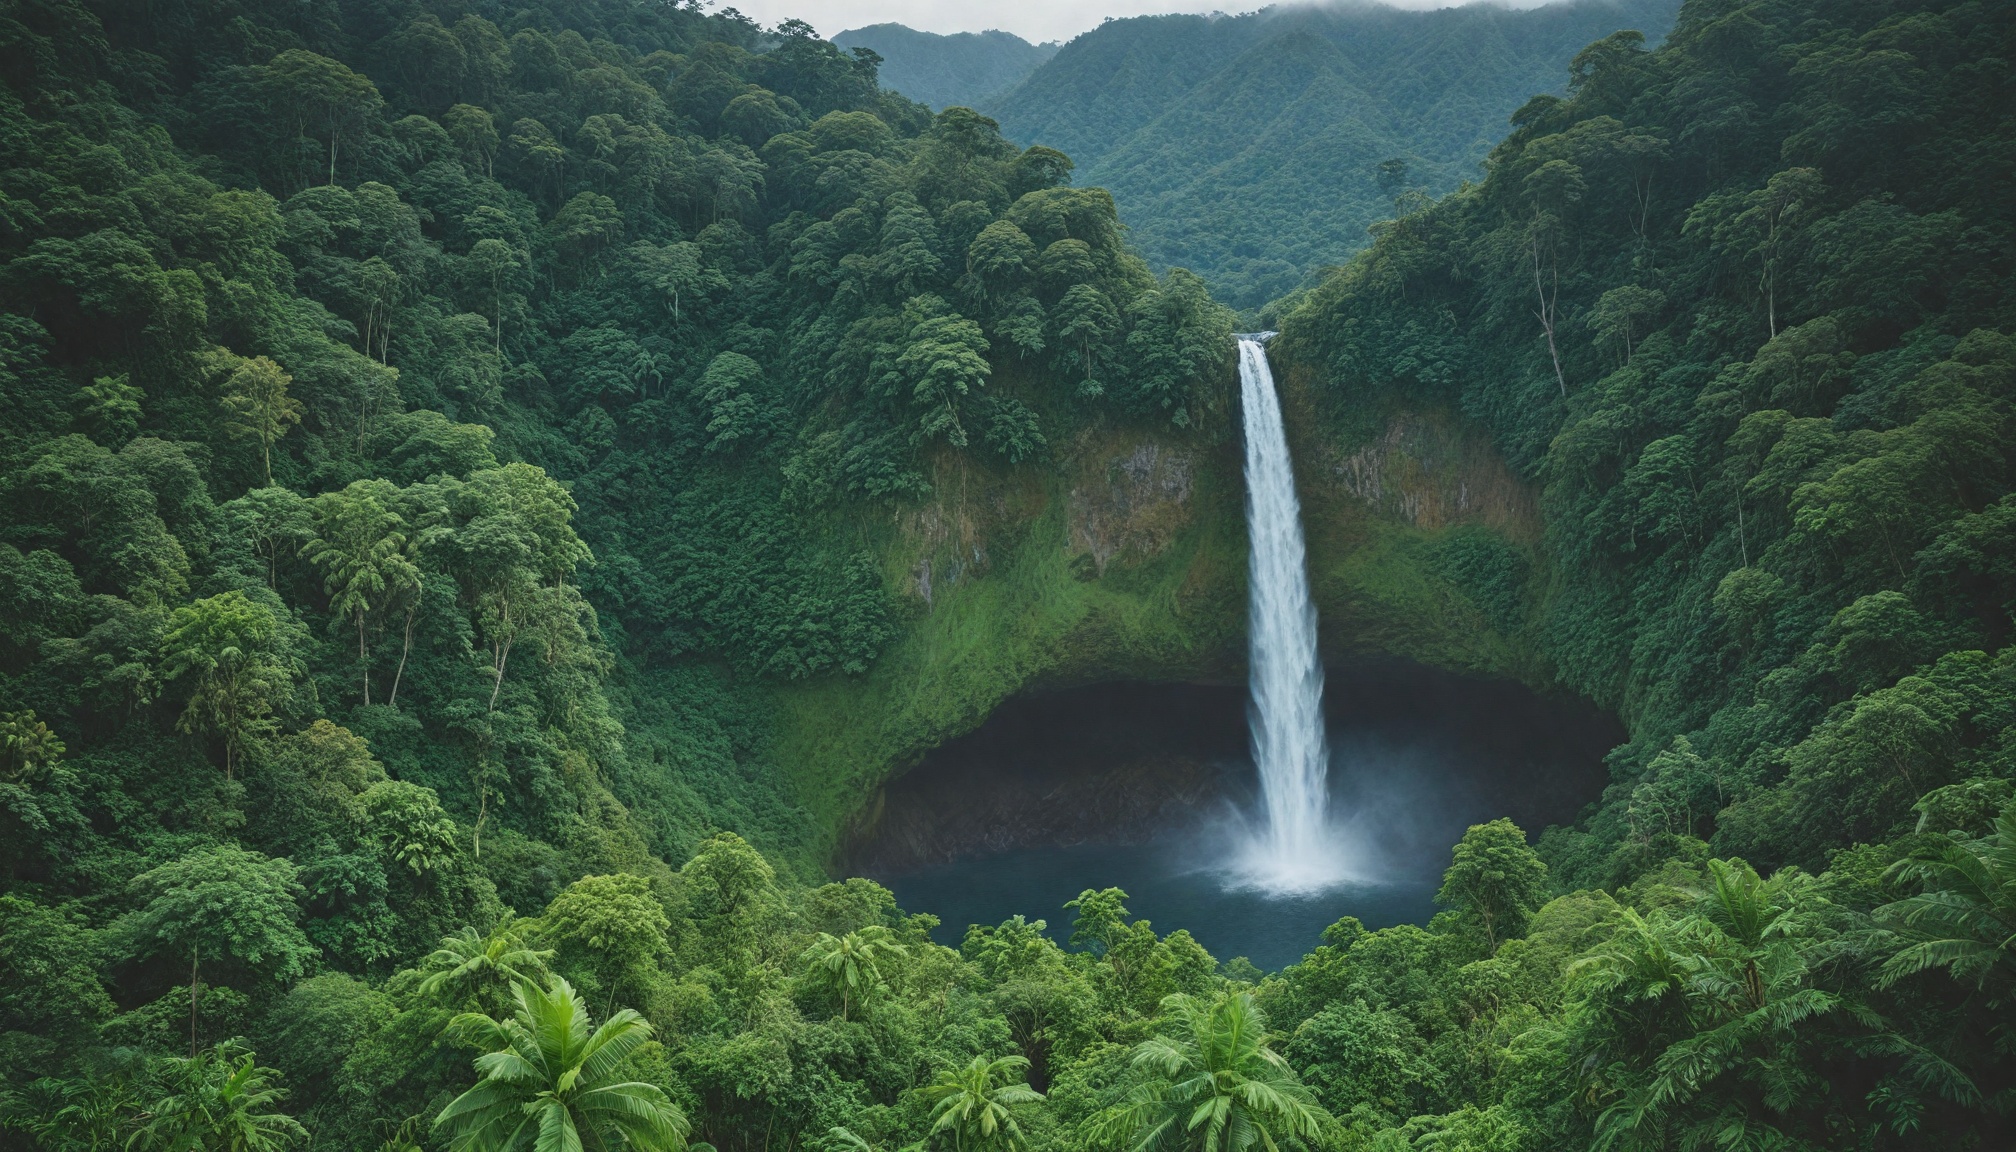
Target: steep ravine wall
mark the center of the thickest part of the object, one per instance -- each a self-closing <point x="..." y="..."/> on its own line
<point x="1124" y="559"/>
<point x="1400" y="514"/>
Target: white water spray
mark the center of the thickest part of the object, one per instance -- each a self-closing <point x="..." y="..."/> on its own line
<point x="1294" y="850"/>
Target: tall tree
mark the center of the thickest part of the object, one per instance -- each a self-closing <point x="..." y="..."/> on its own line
<point x="257" y="406"/>
<point x="362" y="544"/>
<point x="514" y="546"/>
<point x="850" y="965"/>
<point x="229" y="645"/>
<point x="1494" y="880"/>
<point x="317" y="96"/>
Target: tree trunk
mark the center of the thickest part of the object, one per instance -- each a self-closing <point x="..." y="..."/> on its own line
<point x="503" y="657"/>
<point x="230" y="731"/>
<point x="501" y="648"/>
<point x="1545" y="312"/>
<point x="404" y="648"/>
<point x="195" y="983"/>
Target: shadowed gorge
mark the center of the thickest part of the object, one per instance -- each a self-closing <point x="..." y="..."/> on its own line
<point x="1425" y="752"/>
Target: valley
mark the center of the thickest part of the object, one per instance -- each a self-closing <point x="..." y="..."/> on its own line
<point x="601" y="575"/>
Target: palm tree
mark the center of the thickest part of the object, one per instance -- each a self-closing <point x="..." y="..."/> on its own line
<point x="549" y="1084"/>
<point x="480" y="964"/>
<point x="1964" y="917"/>
<point x="222" y="1102"/>
<point x="972" y="1103"/>
<point x="1213" y="1084"/>
<point x="1710" y="1029"/>
<point x="1717" y="1003"/>
<point x="848" y="964"/>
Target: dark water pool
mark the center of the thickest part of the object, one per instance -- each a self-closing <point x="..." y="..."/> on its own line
<point x="1142" y="787"/>
<point x="1035" y="882"/>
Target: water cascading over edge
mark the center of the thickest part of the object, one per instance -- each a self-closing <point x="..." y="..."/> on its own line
<point x="1292" y="850"/>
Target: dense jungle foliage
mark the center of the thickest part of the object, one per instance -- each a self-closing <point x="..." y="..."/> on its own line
<point x="944" y="70"/>
<point x="363" y="785"/>
<point x="1742" y="307"/>
<point x="1256" y="149"/>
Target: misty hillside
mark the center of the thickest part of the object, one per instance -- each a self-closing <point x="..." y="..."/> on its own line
<point x="1249" y="148"/>
<point x="942" y="71"/>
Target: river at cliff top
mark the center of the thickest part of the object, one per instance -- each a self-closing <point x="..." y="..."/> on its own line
<point x="1145" y="787"/>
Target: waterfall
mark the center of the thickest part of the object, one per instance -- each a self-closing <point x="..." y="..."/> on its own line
<point x="1292" y="851"/>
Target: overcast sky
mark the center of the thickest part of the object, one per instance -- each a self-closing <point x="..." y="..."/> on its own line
<point x="1035" y="20"/>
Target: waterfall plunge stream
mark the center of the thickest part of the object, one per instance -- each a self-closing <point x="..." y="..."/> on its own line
<point x="1295" y="849"/>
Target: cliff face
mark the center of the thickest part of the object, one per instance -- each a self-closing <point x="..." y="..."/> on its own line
<point x="1124" y="559"/>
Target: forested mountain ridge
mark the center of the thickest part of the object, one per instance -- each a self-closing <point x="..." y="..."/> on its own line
<point x="452" y="460"/>
<point x="1250" y="148"/>
<point x="941" y="70"/>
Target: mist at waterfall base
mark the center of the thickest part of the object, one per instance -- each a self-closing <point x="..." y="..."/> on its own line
<point x="1417" y="755"/>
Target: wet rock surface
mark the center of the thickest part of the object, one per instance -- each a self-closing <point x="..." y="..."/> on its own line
<point x="1129" y="507"/>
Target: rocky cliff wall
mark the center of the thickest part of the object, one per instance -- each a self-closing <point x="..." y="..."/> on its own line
<point x="1124" y="559"/>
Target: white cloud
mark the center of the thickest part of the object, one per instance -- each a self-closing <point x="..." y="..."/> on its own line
<point x="1036" y="20"/>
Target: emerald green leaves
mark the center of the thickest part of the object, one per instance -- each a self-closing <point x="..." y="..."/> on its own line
<point x="612" y="925"/>
<point x="1495" y="882"/>
<point x="849" y="966"/>
<point x="220" y="1099"/>
<point x="228" y="650"/>
<point x="971" y="1106"/>
<point x="233" y="910"/>
<point x="409" y="825"/>
<point x="1963" y="916"/>
<point x="1212" y="1083"/>
<point x="485" y="968"/>
<point x="550" y="1084"/>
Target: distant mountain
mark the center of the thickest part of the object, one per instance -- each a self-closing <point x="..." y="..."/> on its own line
<point x="1250" y="148"/>
<point x="946" y="70"/>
